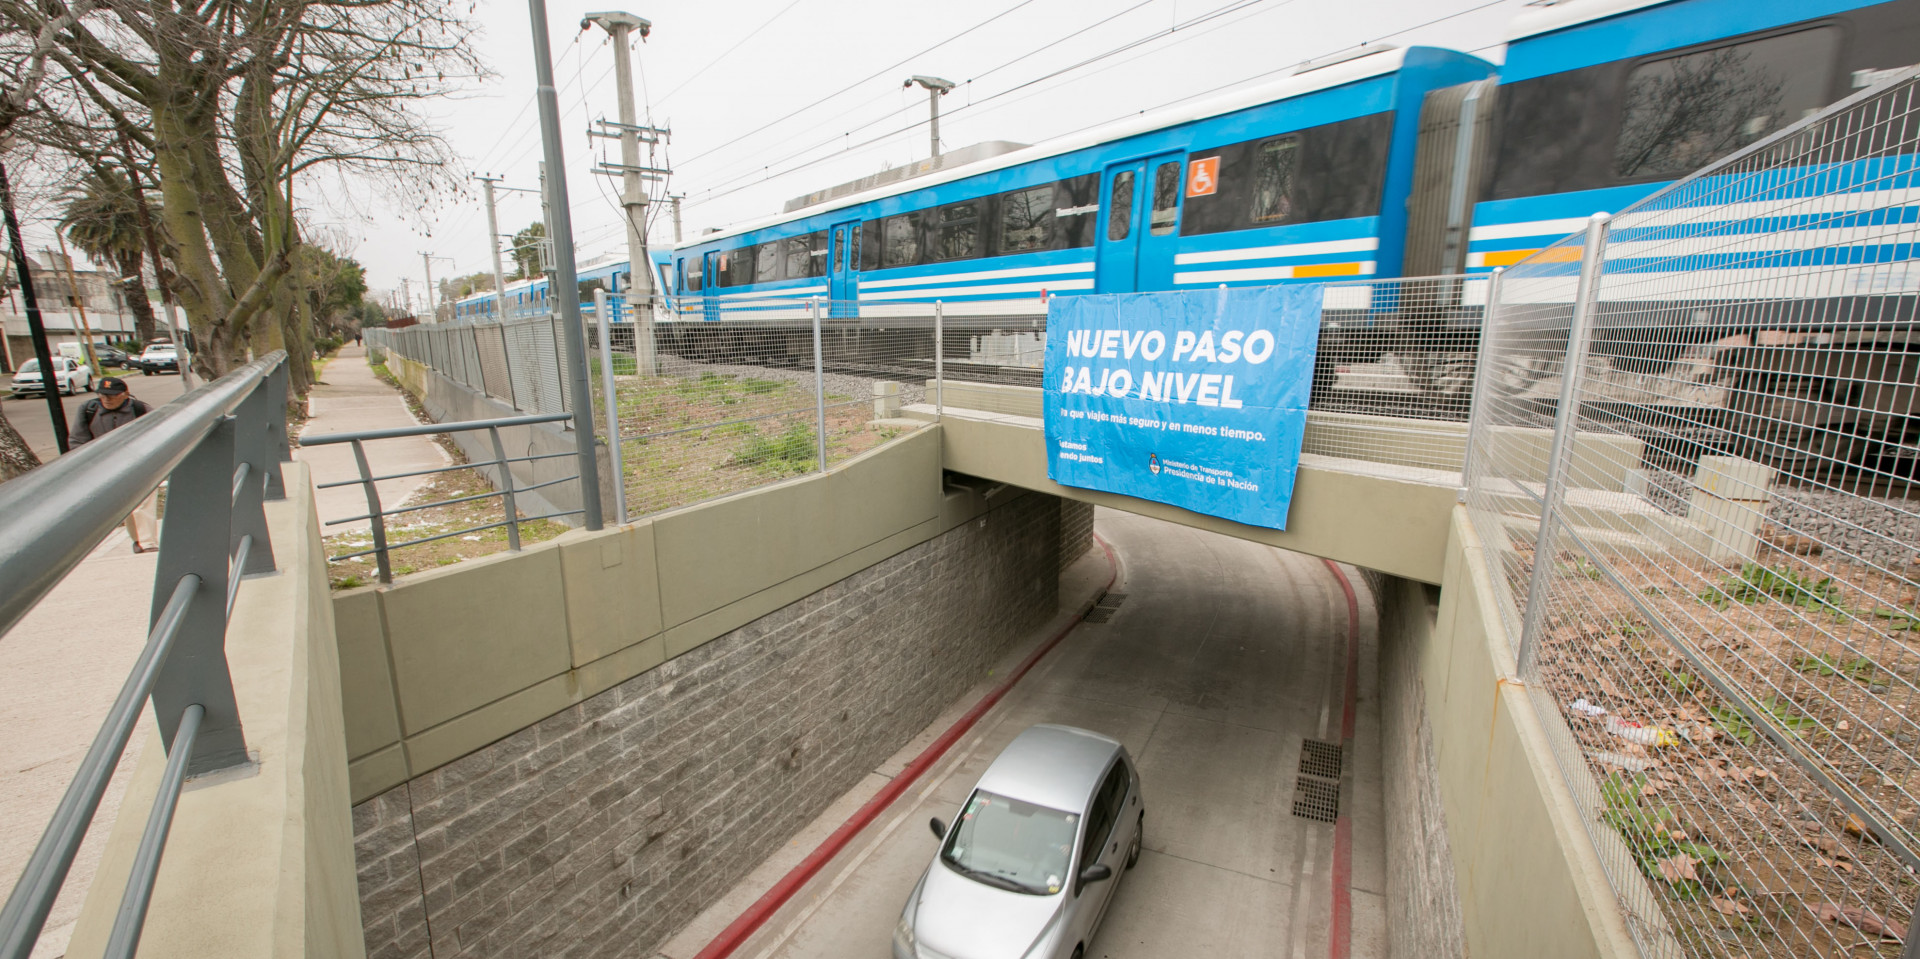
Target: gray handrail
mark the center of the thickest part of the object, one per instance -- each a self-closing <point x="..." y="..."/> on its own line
<point x="52" y="517"/>
<point x="427" y="429"/>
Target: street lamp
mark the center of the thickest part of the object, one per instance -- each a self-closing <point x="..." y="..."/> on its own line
<point x="936" y="88"/>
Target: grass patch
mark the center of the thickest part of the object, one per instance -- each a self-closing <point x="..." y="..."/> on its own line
<point x="1658" y="840"/>
<point x="790" y="452"/>
<point x="1759" y="584"/>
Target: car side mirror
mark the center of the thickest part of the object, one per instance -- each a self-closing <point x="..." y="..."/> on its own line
<point x="1097" y="872"/>
<point x="939" y="828"/>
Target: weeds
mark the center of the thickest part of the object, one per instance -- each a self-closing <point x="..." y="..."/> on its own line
<point x="793" y="451"/>
<point x="1657" y="839"/>
<point x="1861" y="669"/>
<point x="1758" y="584"/>
<point x="1782" y="713"/>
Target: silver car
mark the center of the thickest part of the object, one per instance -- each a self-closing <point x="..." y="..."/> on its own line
<point x="1029" y="868"/>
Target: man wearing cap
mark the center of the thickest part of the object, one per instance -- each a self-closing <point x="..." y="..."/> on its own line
<point x="103" y="414"/>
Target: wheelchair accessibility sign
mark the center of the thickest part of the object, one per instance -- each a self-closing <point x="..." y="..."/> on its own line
<point x="1203" y="176"/>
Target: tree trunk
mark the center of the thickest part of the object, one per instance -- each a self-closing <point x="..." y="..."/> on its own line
<point x="144" y="323"/>
<point x="16" y="456"/>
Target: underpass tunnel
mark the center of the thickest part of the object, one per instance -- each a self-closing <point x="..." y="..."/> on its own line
<point x="1245" y="682"/>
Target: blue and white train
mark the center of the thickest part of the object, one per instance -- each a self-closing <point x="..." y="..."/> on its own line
<point x="1385" y="163"/>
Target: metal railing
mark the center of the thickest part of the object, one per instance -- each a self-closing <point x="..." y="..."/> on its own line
<point x="1692" y="464"/>
<point x="219" y="450"/>
<point x="507" y="487"/>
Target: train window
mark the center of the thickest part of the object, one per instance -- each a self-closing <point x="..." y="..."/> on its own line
<point x="740" y="266"/>
<point x="693" y="276"/>
<point x="816" y="253"/>
<point x="1076" y="211"/>
<point x="1683" y="112"/>
<point x="957" y="233"/>
<point x="1120" y="223"/>
<point x="796" y="256"/>
<point x="1166" y="199"/>
<point x="1026" y="220"/>
<point x="870" y="245"/>
<point x="766" y="262"/>
<point x="900" y="240"/>
<point x="1273" y="164"/>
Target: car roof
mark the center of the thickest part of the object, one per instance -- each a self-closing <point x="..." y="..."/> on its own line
<point x="1054" y="766"/>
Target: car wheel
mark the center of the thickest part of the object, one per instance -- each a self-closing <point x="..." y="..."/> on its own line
<point x="145" y="372"/>
<point x="1133" y="851"/>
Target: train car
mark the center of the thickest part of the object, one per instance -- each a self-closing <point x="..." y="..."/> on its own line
<point x="1299" y="179"/>
<point x="528" y="298"/>
<point x="1601" y="103"/>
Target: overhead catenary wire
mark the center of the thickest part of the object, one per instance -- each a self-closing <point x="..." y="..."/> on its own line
<point x="913" y="127"/>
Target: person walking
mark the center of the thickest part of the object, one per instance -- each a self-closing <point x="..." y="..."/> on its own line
<point x="113" y="408"/>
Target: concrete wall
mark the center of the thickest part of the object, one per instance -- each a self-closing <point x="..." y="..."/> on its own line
<point x="447" y="402"/>
<point x="1423" y="898"/>
<point x="1387" y="517"/>
<point x="1529" y="881"/>
<point x="602" y="828"/>
<point x="258" y="864"/>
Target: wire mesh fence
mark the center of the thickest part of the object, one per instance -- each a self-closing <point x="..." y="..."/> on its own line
<point x="1692" y="464"/>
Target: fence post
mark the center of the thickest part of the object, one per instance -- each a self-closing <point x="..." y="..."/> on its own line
<point x="506" y="489"/>
<point x="196" y="534"/>
<point x="1566" y="422"/>
<point x="253" y="456"/>
<point x="277" y="448"/>
<point x="819" y="385"/>
<point x="377" y="523"/>
<point x="601" y="303"/>
<point x="1477" y="404"/>
<point x="506" y="362"/>
<point x="939" y="360"/>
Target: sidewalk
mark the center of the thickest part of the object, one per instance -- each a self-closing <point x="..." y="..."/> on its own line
<point x="62" y="665"/>
<point x="350" y="399"/>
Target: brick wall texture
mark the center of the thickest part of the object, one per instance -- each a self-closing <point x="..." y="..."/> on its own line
<point x="603" y="829"/>
<point x="1076" y="531"/>
<point x="1423" y="899"/>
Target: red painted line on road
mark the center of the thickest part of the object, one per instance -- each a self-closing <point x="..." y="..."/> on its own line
<point x="1340" y="938"/>
<point x="750" y="921"/>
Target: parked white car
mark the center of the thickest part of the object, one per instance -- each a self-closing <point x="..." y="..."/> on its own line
<point x="69" y="377"/>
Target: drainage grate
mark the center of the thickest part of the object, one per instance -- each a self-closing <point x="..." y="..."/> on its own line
<point x="1319" y="759"/>
<point x="1104" y="608"/>
<point x="1316" y="799"/>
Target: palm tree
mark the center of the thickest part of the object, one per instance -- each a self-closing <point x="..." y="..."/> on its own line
<point x="102" y="220"/>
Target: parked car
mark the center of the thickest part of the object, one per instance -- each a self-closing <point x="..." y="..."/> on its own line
<point x="69" y="377"/>
<point x="156" y="358"/>
<point x="110" y="355"/>
<point x="1029" y="868"/>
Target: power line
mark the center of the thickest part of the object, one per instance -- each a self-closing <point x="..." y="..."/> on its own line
<point x="723" y="54"/>
<point x="854" y="85"/>
<point x="1237" y="82"/>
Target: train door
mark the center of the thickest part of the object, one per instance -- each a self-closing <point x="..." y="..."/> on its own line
<point x="1118" y="249"/>
<point x="842" y="289"/>
<point x="1142" y="228"/>
<point x="710" y="285"/>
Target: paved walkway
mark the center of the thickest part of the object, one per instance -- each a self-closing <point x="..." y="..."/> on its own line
<point x="349" y="399"/>
<point x="61" y="666"/>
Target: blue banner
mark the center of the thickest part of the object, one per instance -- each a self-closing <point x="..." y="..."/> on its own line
<point x="1197" y="399"/>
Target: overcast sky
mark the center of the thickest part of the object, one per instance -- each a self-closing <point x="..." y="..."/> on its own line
<point x="770" y="99"/>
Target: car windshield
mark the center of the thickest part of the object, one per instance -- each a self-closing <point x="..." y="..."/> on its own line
<point x="1011" y="844"/>
<point x="30" y="366"/>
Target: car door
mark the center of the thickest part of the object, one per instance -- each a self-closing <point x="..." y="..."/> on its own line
<point x="1111" y="800"/>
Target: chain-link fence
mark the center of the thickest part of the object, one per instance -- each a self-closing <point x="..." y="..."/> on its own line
<point x="519" y="362"/>
<point x="1692" y="468"/>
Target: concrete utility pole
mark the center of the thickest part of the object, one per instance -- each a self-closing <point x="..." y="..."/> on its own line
<point x="426" y="260"/>
<point x="633" y="192"/>
<point x="676" y="220"/>
<point x="936" y="88"/>
<point x="493" y="249"/>
<point x="566" y="279"/>
<point x="406" y="296"/>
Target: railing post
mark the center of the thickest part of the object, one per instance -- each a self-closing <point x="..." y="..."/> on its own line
<point x="377" y="522"/>
<point x="196" y="536"/>
<point x="278" y="450"/>
<point x="939" y="360"/>
<point x="1566" y="423"/>
<point x="1477" y="406"/>
<point x="506" y="362"/>
<point x="506" y="488"/>
<point x="601" y="303"/>
<point x="819" y="385"/>
<point x="252" y="441"/>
